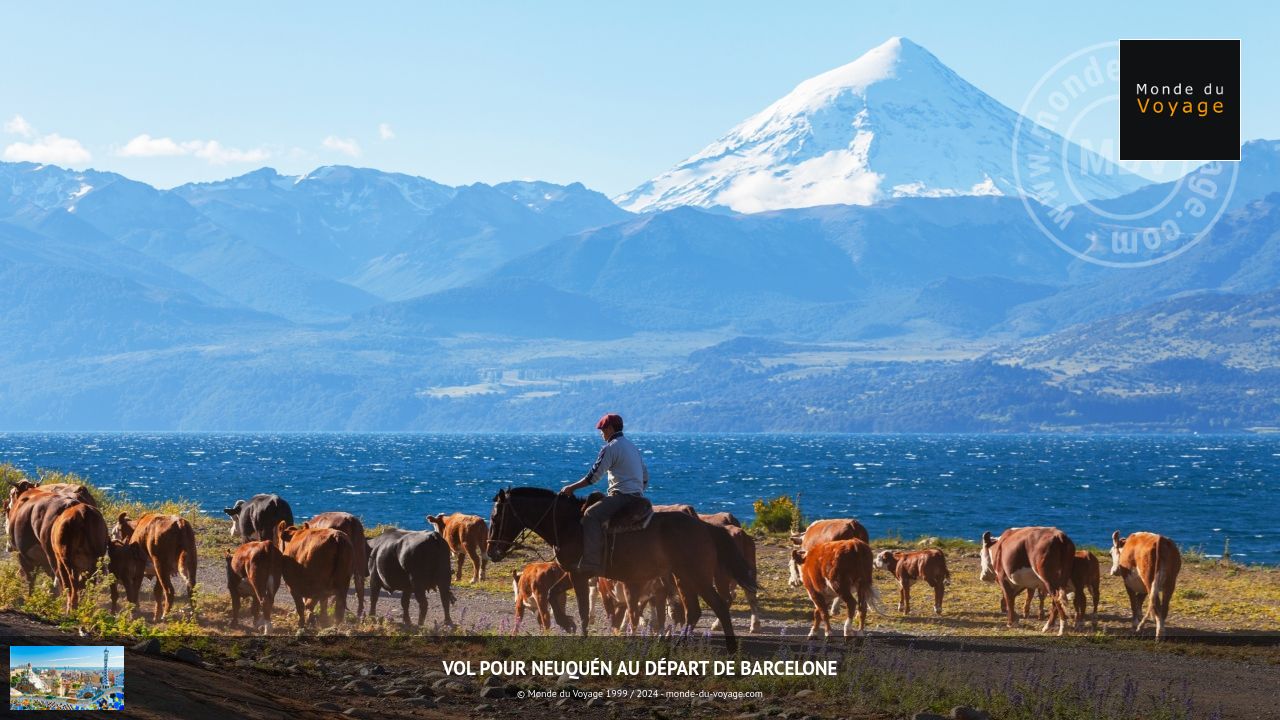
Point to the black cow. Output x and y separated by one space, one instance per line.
257 518
411 563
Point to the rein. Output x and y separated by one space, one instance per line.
517 541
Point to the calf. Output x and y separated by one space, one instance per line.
1149 564
410 563
542 587
624 603
837 570
466 535
316 565
254 571
77 540
1084 577
351 525
169 544
258 518
1030 557
127 564
911 567
820 531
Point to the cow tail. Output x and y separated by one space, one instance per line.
187 553
1157 588
873 599
730 557
946 576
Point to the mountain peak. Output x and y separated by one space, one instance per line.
895 122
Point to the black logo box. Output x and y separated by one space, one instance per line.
1185 67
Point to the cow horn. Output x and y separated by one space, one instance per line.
124 517
1115 538
986 538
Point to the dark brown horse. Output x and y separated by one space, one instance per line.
673 542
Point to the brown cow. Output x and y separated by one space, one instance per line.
724 582
254 571
542 587
910 567
127 563
77 541
169 544
837 570
624 603
351 525
316 565
29 524
1030 557
723 519
466 535
685 508
1084 577
1149 564
820 531
71 490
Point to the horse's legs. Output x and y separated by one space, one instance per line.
582 593
718 606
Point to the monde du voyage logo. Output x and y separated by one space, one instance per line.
1177 103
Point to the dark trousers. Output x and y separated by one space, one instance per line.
593 524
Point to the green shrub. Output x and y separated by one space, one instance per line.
779 515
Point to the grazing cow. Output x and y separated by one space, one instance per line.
254 571
837 570
820 531
724 581
722 519
411 563
914 566
127 563
1030 557
258 518
542 587
169 544
1149 564
351 525
316 565
466 535
77 540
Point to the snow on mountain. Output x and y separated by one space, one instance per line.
896 122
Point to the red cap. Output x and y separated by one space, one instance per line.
610 420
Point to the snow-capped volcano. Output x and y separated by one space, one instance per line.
895 122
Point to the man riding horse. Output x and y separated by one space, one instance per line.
628 479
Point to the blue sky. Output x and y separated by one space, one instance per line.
608 94
86 656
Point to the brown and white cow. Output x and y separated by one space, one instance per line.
837 570
542 587
351 525
820 531
316 565
254 571
1149 565
466 536
909 567
77 541
1030 557
1085 577
169 544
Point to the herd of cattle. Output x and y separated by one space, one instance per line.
59 529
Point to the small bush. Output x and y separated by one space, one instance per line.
779 515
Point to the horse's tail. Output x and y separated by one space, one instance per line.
730 557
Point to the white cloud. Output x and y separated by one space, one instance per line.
52 148
211 151
346 146
385 132
19 126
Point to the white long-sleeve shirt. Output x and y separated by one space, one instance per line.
621 459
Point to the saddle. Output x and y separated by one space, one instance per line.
629 520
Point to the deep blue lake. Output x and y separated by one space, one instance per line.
1198 490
